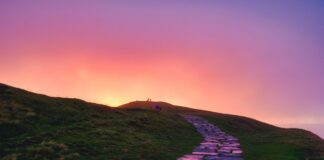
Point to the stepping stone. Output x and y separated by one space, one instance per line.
238 151
198 149
191 157
205 153
224 151
212 158
230 148
209 143
232 145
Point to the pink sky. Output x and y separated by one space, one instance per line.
258 59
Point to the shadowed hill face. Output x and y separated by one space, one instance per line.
34 126
21 109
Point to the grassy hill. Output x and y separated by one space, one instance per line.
34 126
260 141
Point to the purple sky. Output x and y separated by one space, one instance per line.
262 59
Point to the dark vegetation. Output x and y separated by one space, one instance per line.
34 126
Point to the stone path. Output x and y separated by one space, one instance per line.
216 145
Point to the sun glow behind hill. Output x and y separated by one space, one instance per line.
258 59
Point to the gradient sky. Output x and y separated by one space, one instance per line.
262 59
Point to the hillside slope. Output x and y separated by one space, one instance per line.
260 141
34 126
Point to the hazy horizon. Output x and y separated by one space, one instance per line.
317 129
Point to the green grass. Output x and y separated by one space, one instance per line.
261 141
37 127
34 126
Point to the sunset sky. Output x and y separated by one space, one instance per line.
262 59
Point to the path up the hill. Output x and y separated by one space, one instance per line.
217 145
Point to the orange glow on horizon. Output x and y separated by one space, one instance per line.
221 56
